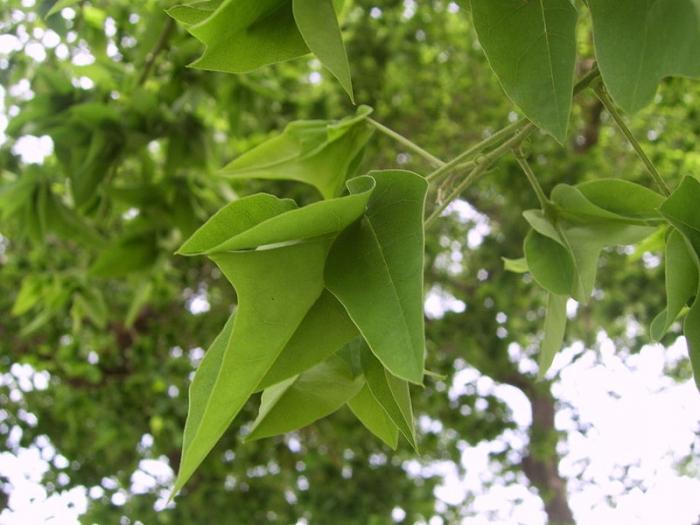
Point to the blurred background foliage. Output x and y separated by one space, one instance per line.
93 298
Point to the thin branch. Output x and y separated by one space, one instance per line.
406 142
160 45
531 178
483 164
617 117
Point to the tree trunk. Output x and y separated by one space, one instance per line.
541 465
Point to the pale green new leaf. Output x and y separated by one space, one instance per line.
375 269
554 330
308 397
392 394
640 42
515 265
275 288
531 45
681 283
320 153
318 24
373 416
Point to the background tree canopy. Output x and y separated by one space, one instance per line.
111 153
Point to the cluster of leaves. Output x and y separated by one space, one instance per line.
329 295
577 222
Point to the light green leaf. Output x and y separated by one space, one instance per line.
573 205
550 262
515 265
275 288
691 328
640 42
531 45
243 35
318 25
392 394
373 416
308 397
325 329
554 330
320 153
681 283
194 13
375 269
29 294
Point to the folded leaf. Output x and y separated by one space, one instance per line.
308 397
373 416
681 283
531 45
639 202
325 329
554 330
515 265
275 288
319 153
375 269
392 394
640 42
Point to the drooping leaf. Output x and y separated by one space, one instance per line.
681 283
554 330
325 329
640 42
308 397
392 394
59 5
373 416
318 24
375 269
319 153
275 288
531 45
550 262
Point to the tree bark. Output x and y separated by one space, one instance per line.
541 465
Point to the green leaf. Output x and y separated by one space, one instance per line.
320 153
325 329
29 294
391 393
681 283
554 330
275 288
691 328
624 198
531 45
194 13
308 397
573 205
134 252
640 42
243 35
233 229
318 25
375 269
373 416
550 262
